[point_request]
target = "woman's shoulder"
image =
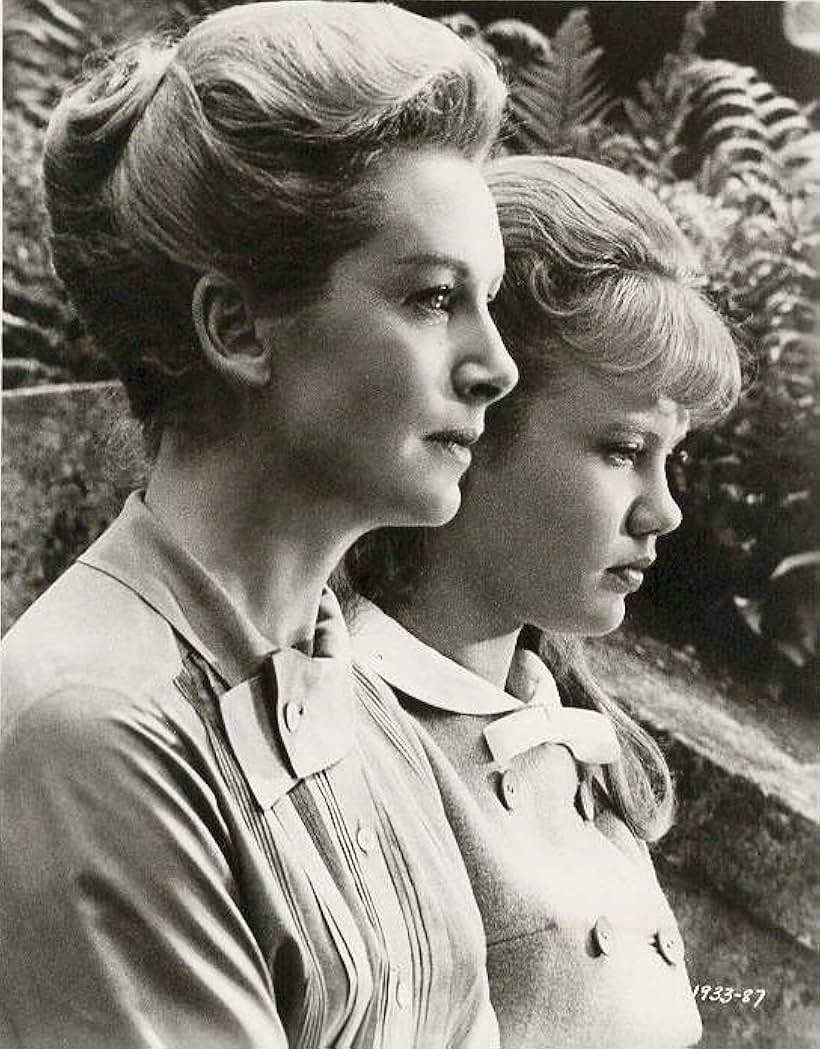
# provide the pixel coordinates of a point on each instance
(86, 636)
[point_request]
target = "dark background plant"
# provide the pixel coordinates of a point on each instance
(735, 160)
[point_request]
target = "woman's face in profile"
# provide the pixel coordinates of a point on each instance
(380, 386)
(561, 528)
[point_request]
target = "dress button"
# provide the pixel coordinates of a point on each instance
(603, 936)
(294, 713)
(365, 838)
(670, 944)
(585, 800)
(508, 789)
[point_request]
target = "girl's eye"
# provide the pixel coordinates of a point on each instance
(623, 454)
(435, 300)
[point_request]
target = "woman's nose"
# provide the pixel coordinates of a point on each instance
(655, 512)
(484, 371)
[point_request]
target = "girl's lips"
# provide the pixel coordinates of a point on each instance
(624, 579)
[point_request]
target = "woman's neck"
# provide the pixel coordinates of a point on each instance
(270, 545)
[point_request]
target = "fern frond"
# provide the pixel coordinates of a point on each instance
(558, 88)
(574, 60)
(694, 29)
(739, 119)
(638, 117)
(735, 125)
(801, 156)
(659, 119)
(58, 15)
(777, 107)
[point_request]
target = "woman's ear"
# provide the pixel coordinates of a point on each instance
(226, 328)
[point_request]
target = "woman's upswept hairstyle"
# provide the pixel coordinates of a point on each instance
(241, 149)
(597, 274)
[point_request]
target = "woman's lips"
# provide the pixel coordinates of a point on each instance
(456, 443)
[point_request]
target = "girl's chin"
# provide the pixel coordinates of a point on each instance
(590, 621)
(609, 621)
(598, 621)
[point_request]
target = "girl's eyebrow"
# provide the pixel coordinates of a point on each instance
(628, 421)
(645, 425)
(645, 422)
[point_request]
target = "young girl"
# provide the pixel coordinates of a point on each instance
(551, 789)
(216, 835)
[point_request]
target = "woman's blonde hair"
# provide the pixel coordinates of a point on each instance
(597, 274)
(242, 149)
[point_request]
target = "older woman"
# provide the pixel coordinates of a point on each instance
(551, 789)
(216, 834)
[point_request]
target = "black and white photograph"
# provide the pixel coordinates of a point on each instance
(410, 525)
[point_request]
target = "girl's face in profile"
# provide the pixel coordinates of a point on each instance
(562, 527)
(381, 385)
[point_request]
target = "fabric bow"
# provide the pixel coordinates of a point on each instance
(588, 734)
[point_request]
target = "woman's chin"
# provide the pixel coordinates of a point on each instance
(429, 509)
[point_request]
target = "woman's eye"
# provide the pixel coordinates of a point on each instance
(435, 300)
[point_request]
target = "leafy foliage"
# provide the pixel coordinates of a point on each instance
(46, 44)
(556, 86)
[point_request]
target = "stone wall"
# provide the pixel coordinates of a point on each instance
(741, 866)
(67, 464)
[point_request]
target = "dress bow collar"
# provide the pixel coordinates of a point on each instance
(531, 707)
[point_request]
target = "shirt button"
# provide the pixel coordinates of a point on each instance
(508, 789)
(603, 936)
(670, 944)
(585, 800)
(294, 713)
(365, 838)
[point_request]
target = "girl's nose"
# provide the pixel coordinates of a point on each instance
(655, 511)
(485, 371)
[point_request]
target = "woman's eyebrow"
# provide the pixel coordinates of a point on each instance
(434, 259)
(462, 270)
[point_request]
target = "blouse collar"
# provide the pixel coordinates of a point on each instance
(287, 714)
